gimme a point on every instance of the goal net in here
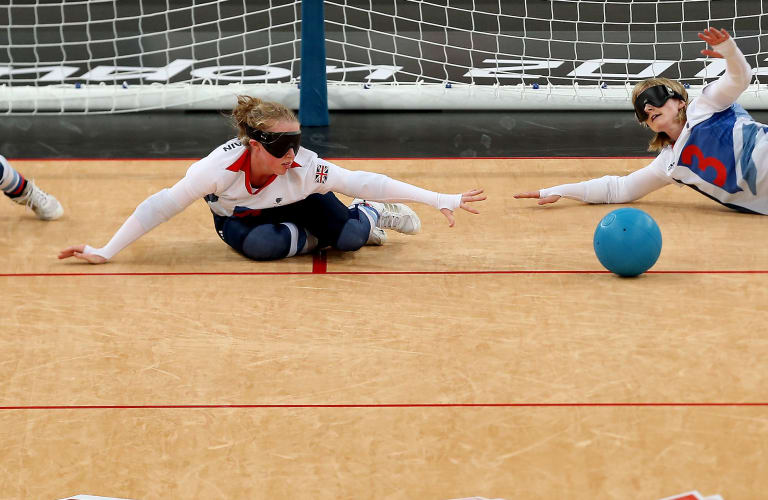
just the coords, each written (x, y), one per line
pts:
(108, 56)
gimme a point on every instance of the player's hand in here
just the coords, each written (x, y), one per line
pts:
(78, 252)
(713, 37)
(535, 194)
(470, 196)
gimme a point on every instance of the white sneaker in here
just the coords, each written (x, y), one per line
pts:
(377, 237)
(45, 206)
(397, 216)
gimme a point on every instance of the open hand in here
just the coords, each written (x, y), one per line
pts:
(535, 194)
(713, 37)
(78, 252)
(470, 196)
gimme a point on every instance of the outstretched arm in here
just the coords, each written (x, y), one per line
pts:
(607, 189)
(151, 212)
(378, 187)
(726, 89)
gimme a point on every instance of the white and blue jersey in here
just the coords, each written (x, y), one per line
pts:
(725, 157)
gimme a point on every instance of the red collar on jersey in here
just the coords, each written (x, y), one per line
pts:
(243, 164)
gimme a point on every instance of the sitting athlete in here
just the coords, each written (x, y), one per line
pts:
(712, 145)
(272, 199)
(25, 192)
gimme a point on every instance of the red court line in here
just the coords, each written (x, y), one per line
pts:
(385, 405)
(319, 266)
(319, 263)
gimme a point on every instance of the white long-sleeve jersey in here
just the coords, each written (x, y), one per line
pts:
(223, 179)
(722, 152)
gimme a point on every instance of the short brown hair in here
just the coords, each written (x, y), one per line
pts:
(661, 139)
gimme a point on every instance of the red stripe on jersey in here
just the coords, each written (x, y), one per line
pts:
(253, 212)
(295, 165)
(243, 164)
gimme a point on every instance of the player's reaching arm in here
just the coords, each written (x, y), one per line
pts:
(378, 187)
(725, 90)
(151, 212)
(607, 189)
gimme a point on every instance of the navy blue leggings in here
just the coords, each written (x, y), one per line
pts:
(278, 232)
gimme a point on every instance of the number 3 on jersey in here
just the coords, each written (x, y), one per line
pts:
(709, 152)
(703, 163)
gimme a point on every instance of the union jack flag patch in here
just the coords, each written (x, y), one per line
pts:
(321, 174)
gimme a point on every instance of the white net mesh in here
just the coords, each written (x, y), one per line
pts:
(533, 54)
(110, 56)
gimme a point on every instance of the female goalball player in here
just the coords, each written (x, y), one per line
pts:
(712, 145)
(271, 198)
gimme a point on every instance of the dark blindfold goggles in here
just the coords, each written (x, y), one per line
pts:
(276, 143)
(656, 96)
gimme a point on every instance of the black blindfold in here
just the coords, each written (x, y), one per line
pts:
(656, 96)
(276, 143)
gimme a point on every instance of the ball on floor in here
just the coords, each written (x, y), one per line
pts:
(627, 241)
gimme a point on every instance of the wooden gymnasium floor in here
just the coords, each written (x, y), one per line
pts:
(494, 359)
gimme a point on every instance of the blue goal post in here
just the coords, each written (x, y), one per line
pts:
(313, 85)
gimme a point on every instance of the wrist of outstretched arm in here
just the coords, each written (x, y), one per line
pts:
(727, 48)
(572, 191)
(449, 201)
(543, 193)
(96, 251)
(130, 231)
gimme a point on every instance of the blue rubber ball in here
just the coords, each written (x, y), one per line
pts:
(627, 241)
